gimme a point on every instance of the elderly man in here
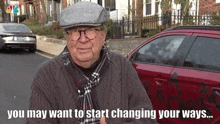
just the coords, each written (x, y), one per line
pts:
(86, 77)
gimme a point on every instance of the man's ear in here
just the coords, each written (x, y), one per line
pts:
(104, 33)
(65, 34)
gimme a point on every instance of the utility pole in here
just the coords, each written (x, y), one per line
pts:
(7, 14)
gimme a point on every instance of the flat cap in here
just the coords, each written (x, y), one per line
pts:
(83, 14)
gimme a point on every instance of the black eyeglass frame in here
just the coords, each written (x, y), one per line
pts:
(79, 31)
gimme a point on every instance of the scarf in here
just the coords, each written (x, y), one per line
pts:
(87, 99)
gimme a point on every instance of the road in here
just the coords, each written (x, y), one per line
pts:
(17, 70)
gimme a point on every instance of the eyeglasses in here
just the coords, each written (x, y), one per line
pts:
(90, 33)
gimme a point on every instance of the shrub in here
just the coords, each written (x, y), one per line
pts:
(188, 20)
(152, 32)
(46, 30)
(59, 33)
(215, 19)
(109, 25)
(113, 29)
(21, 18)
(56, 26)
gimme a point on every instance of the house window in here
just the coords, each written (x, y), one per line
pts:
(217, 1)
(157, 6)
(100, 2)
(110, 5)
(148, 7)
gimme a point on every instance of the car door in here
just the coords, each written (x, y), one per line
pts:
(154, 62)
(198, 79)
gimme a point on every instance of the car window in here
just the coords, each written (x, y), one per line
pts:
(160, 50)
(204, 54)
(16, 28)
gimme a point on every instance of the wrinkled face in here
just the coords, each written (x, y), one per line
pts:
(85, 43)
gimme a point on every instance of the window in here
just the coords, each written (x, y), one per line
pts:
(160, 50)
(100, 2)
(157, 6)
(110, 5)
(16, 28)
(204, 54)
(148, 7)
(217, 1)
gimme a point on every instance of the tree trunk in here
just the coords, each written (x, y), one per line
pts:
(44, 9)
(184, 10)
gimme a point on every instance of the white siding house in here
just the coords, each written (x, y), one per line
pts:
(152, 7)
(12, 14)
(117, 8)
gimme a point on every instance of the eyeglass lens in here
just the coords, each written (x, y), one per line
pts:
(89, 33)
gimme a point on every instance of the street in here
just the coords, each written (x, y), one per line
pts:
(17, 70)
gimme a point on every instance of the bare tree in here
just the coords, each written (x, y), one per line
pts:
(44, 9)
(185, 6)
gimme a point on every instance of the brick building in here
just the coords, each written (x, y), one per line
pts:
(51, 9)
(209, 6)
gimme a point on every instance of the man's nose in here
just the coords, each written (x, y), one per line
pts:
(83, 38)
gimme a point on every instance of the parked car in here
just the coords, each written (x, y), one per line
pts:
(16, 36)
(180, 69)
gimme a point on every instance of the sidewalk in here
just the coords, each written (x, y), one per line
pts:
(47, 47)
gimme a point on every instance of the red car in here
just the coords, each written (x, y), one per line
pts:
(180, 69)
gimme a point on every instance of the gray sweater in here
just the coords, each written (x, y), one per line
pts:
(53, 88)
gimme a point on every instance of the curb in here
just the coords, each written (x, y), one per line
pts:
(45, 53)
(57, 41)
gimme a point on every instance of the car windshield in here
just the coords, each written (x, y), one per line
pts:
(16, 28)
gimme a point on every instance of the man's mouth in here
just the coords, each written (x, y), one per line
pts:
(85, 50)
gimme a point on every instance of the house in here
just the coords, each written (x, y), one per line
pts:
(50, 10)
(14, 3)
(209, 6)
(43, 10)
(116, 8)
(153, 7)
(206, 9)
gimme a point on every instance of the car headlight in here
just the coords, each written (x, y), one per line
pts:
(27, 39)
(15, 38)
(8, 38)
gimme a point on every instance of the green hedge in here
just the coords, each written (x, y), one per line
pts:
(215, 19)
(21, 18)
(53, 29)
(113, 29)
(152, 32)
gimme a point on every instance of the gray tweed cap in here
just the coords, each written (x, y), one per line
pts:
(83, 14)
